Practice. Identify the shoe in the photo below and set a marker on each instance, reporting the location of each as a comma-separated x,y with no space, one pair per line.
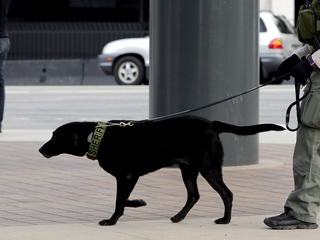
286,221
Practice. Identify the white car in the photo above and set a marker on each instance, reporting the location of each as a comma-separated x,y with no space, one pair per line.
277,41
128,59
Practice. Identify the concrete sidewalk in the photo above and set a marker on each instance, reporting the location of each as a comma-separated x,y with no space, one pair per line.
65,198
245,228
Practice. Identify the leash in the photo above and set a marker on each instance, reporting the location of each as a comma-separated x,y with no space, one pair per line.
218,102
297,104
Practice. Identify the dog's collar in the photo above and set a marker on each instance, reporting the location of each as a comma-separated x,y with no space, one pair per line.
95,137
95,140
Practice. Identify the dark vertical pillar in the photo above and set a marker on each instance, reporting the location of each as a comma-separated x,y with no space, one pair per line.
203,51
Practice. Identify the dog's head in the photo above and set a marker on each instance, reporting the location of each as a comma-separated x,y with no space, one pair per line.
70,138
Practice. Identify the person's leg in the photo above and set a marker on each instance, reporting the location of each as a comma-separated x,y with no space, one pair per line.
302,205
303,201
4,49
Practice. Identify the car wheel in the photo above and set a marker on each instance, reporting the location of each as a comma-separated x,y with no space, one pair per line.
129,71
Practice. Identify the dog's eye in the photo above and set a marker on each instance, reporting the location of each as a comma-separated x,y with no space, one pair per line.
53,137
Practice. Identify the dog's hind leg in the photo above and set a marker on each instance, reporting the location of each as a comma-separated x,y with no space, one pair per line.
189,175
125,185
211,170
214,178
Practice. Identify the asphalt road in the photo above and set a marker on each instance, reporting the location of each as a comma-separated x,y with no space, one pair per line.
47,107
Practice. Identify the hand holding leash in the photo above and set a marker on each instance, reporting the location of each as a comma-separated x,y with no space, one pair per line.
286,66
302,71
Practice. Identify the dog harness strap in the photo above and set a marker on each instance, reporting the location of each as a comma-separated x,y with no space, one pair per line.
96,140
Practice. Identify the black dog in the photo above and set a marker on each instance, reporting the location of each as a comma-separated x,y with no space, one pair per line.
146,146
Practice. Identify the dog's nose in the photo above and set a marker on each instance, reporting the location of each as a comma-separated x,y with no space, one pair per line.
43,153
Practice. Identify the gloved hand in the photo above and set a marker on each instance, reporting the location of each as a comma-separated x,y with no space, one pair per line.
286,66
302,71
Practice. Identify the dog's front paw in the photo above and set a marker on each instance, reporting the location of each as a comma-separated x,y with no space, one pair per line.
222,221
107,222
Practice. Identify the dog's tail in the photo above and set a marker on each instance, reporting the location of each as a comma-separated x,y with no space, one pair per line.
221,127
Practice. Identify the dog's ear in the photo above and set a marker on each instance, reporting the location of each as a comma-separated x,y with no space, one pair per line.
79,144
76,139
80,140
80,135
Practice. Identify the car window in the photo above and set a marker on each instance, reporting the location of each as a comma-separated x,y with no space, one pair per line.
262,26
282,25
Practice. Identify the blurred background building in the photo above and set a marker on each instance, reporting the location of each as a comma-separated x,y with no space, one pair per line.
75,31
288,8
67,29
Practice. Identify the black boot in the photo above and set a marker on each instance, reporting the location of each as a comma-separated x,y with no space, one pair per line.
286,221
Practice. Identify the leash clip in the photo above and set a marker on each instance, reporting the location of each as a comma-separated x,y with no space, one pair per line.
123,124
